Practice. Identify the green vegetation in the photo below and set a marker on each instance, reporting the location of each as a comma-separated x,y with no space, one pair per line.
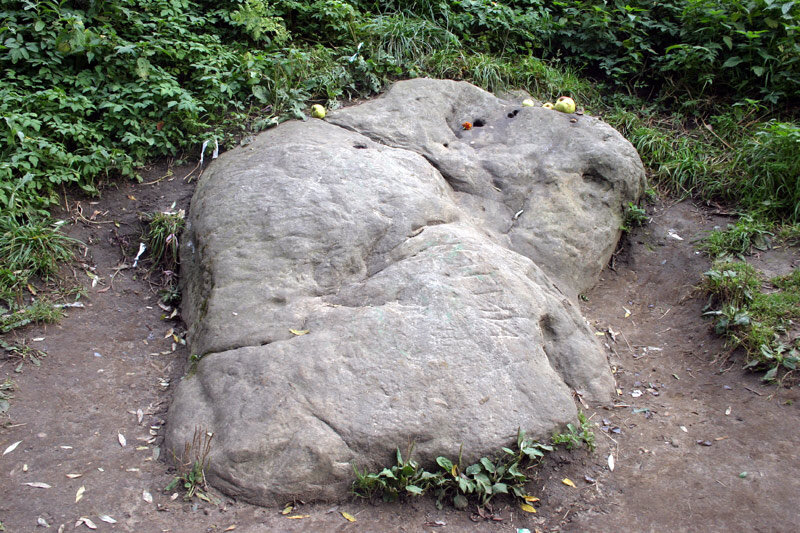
739,239
163,231
6,388
575,436
191,476
759,315
635,217
451,481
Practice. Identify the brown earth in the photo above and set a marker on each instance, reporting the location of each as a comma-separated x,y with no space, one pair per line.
114,356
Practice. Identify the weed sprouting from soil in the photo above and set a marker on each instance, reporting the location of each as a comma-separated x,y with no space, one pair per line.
191,466
163,231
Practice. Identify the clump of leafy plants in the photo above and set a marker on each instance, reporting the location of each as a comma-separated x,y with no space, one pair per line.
575,436
756,314
191,466
454,482
6,388
634,217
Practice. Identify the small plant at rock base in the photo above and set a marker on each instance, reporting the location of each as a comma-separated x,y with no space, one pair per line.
635,217
163,230
191,467
405,477
577,435
503,474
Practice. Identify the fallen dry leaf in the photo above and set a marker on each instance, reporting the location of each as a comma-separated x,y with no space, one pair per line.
107,519
146,496
79,494
288,509
73,476
38,485
298,516
528,508
85,521
611,462
122,441
12,447
531,499
568,482
299,332
230,528
347,516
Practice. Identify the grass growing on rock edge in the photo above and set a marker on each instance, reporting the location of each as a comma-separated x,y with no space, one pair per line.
453,482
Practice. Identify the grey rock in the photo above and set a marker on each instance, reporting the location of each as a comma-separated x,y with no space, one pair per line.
428,321
570,177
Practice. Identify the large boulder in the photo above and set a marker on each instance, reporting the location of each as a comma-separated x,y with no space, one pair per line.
351,291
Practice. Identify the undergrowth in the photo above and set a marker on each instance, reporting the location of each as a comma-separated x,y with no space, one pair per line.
456,483
759,315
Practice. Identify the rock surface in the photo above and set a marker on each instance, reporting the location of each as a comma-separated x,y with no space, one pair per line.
436,313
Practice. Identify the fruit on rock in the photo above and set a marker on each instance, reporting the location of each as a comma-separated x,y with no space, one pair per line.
317,111
528,103
565,104
548,105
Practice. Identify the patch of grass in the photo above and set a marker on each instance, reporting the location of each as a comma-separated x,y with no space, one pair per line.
760,316
40,311
191,476
502,474
740,238
34,247
161,236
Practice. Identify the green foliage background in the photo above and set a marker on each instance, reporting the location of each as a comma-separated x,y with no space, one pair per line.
92,89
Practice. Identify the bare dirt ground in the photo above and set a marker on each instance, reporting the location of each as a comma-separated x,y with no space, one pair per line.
114,357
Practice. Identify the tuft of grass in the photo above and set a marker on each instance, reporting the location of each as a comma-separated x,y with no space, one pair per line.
191,466
163,230
740,238
40,311
33,247
758,315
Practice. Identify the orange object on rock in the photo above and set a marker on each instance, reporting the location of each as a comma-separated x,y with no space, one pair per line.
467,125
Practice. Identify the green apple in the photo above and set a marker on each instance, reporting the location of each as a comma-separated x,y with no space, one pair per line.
528,103
565,104
317,111
547,105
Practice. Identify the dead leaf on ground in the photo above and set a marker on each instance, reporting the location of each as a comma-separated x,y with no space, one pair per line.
12,447
611,462
347,516
230,528
298,516
146,496
38,485
107,519
568,482
528,508
299,332
288,509
73,476
79,494
85,521
122,441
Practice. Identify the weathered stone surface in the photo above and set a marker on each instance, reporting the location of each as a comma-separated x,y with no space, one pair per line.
568,176
428,320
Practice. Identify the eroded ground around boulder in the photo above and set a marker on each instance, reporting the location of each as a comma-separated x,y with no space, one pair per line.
350,291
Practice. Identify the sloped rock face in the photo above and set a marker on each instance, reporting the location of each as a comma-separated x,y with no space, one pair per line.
437,313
